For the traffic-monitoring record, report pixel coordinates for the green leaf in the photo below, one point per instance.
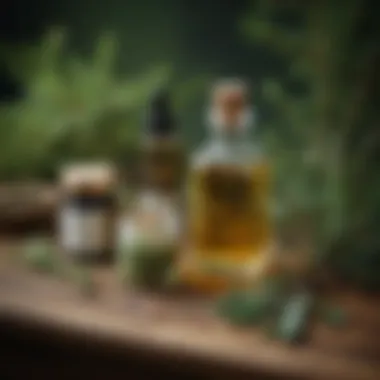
(293, 322)
(243, 308)
(73, 107)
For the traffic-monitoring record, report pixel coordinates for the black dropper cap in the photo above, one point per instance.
(160, 121)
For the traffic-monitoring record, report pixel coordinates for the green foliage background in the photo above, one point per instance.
(73, 108)
(316, 87)
(324, 136)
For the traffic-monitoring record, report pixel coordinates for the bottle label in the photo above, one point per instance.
(84, 230)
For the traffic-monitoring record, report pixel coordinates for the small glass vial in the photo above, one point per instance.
(155, 211)
(228, 194)
(87, 212)
(162, 157)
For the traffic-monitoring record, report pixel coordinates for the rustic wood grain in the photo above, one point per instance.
(184, 327)
(27, 206)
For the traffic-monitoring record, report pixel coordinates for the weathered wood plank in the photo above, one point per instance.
(183, 327)
(26, 205)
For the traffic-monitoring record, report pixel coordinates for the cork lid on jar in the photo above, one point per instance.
(94, 178)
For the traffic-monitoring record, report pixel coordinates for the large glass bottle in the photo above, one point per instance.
(228, 194)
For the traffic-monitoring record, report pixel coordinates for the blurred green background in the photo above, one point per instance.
(77, 76)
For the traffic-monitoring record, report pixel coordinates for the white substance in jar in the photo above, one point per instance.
(83, 230)
(154, 220)
(85, 218)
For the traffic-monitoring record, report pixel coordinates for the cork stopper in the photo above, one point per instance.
(230, 99)
(94, 178)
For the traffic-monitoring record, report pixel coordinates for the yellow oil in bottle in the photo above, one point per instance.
(228, 223)
(228, 219)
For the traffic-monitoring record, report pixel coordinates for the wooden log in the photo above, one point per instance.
(25, 206)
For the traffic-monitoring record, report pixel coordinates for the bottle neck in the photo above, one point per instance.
(149, 139)
(227, 138)
(220, 131)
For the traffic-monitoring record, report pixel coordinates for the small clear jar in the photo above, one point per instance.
(87, 212)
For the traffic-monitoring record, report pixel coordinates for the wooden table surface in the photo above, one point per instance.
(182, 327)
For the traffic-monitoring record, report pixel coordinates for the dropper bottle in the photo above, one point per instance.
(162, 154)
(151, 233)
